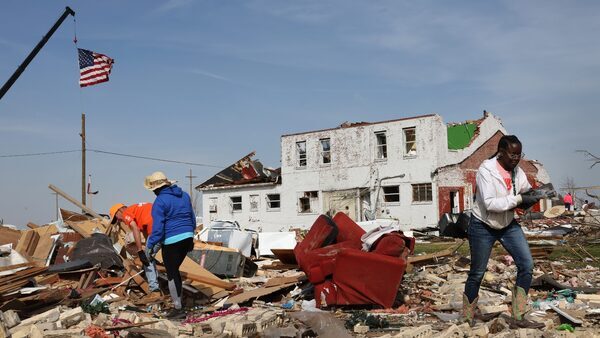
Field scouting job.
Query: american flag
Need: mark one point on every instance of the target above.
(93, 67)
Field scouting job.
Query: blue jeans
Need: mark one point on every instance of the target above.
(150, 270)
(481, 241)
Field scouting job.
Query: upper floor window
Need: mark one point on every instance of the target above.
(301, 154)
(381, 145)
(325, 151)
(422, 192)
(410, 141)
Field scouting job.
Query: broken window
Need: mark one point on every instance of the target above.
(253, 202)
(391, 194)
(381, 147)
(422, 192)
(410, 141)
(307, 201)
(301, 153)
(212, 205)
(325, 151)
(236, 203)
(273, 202)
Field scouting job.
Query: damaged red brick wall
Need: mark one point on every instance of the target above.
(444, 199)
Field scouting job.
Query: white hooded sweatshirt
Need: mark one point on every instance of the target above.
(494, 203)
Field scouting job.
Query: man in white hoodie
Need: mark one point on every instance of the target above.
(501, 187)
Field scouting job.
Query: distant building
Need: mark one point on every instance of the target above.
(411, 169)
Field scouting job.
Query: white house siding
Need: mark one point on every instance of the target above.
(354, 171)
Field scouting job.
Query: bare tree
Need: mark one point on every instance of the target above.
(569, 186)
(590, 157)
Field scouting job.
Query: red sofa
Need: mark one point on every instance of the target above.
(342, 273)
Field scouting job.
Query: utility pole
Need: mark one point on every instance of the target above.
(83, 190)
(191, 177)
(191, 190)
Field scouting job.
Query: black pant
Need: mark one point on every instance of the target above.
(173, 256)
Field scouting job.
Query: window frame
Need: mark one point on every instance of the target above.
(379, 146)
(385, 195)
(405, 143)
(233, 204)
(269, 201)
(323, 151)
(257, 202)
(428, 189)
(299, 155)
(309, 196)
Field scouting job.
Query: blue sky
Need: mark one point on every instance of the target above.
(210, 81)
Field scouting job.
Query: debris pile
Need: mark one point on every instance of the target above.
(80, 277)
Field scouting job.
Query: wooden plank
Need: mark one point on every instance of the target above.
(27, 243)
(46, 230)
(285, 280)
(74, 201)
(9, 236)
(285, 256)
(210, 281)
(86, 228)
(32, 225)
(73, 216)
(43, 250)
(131, 271)
(15, 266)
(247, 295)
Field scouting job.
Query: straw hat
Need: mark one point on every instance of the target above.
(157, 180)
(555, 211)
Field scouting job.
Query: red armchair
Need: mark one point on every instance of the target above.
(342, 273)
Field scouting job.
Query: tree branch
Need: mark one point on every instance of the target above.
(590, 157)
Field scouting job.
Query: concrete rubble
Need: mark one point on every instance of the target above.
(44, 292)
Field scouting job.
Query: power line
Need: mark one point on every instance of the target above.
(154, 158)
(39, 154)
(114, 154)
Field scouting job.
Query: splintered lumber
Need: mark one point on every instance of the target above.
(200, 275)
(31, 225)
(15, 281)
(131, 272)
(128, 326)
(73, 216)
(433, 256)
(46, 230)
(27, 243)
(9, 236)
(247, 295)
(15, 266)
(86, 228)
(43, 249)
(74, 201)
(285, 280)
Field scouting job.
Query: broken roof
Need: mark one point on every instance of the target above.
(244, 171)
(460, 135)
(347, 124)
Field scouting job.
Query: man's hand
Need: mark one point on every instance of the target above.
(143, 257)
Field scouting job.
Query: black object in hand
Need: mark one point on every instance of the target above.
(529, 200)
(143, 257)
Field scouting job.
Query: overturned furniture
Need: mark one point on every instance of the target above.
(342, 273)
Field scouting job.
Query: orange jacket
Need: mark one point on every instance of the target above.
(141, 213)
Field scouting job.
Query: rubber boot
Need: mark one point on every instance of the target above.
(469, 309)
(519, 302)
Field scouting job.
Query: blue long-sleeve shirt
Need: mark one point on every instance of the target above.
(173, 218)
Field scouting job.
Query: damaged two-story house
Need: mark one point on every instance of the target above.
(410, 169)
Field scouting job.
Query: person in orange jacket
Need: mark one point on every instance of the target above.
(139, 219)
